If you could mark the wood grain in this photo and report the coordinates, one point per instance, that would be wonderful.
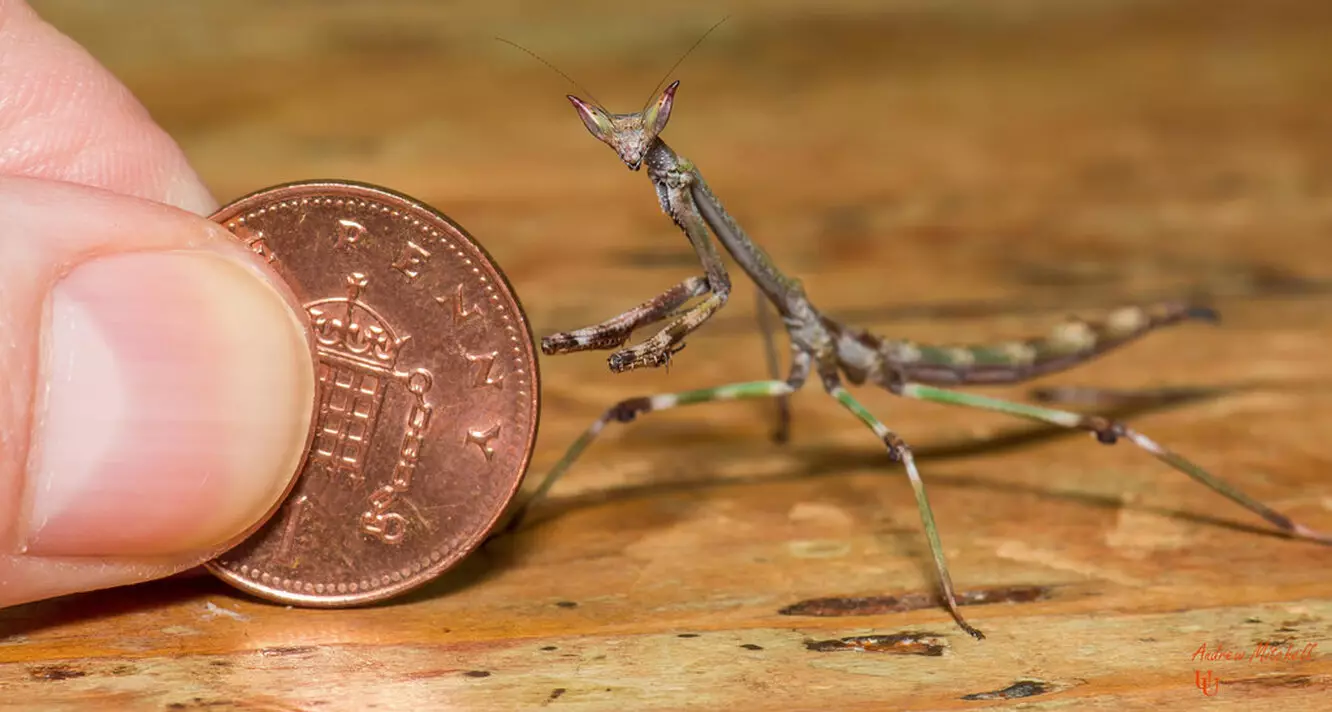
(945, 171)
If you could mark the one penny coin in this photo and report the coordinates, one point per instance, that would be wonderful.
(428, 395)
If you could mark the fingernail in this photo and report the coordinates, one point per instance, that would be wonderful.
(173, 408)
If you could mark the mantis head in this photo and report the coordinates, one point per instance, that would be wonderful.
(629, 134)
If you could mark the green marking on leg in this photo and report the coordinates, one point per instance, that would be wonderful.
(900, 450)
(1070, 419)
(845, 398)
(750, 389)
(558, 469)
(971, 400)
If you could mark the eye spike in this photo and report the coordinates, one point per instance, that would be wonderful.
(655, 118)
(594, 118)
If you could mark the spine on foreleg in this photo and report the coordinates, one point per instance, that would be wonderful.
(866, 357)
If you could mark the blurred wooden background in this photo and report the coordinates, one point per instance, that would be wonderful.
(940, 170)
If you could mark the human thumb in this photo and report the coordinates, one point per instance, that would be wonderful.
(158, 390)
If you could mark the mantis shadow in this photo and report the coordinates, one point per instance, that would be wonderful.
(502, 551)
(815, 461)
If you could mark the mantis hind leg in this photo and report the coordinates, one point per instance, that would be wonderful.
(1109, 432)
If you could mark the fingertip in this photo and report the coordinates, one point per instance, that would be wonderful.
(175, 401)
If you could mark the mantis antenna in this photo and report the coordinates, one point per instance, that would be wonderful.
(556, 69)
(653, 94)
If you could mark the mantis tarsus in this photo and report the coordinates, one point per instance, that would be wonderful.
(833, 352)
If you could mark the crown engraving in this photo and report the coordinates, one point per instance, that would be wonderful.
(349, 328)
(358, 355)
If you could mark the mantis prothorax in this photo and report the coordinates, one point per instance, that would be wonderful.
(835, 353)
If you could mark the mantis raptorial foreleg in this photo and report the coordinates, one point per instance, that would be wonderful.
(658, 349)
(613, 332)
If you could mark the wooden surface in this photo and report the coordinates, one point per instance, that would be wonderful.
(943, 171)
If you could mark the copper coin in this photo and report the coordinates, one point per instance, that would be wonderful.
(428, 395)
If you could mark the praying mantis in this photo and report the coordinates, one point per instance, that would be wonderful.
(838, 354)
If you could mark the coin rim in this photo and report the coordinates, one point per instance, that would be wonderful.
(352, 188)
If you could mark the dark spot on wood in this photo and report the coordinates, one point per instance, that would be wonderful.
(1253, 620)
(927, 644)
(877, 605)
(752, 646)
(555, 694)
(287, 650)
(428, 674)
(1292, 681)
(54, 673)
(566, 604)
(477, 673)
(549, 648)
(198, 703)
(220, 663)
(122, 670)
(687, 635)
(1021, 688)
